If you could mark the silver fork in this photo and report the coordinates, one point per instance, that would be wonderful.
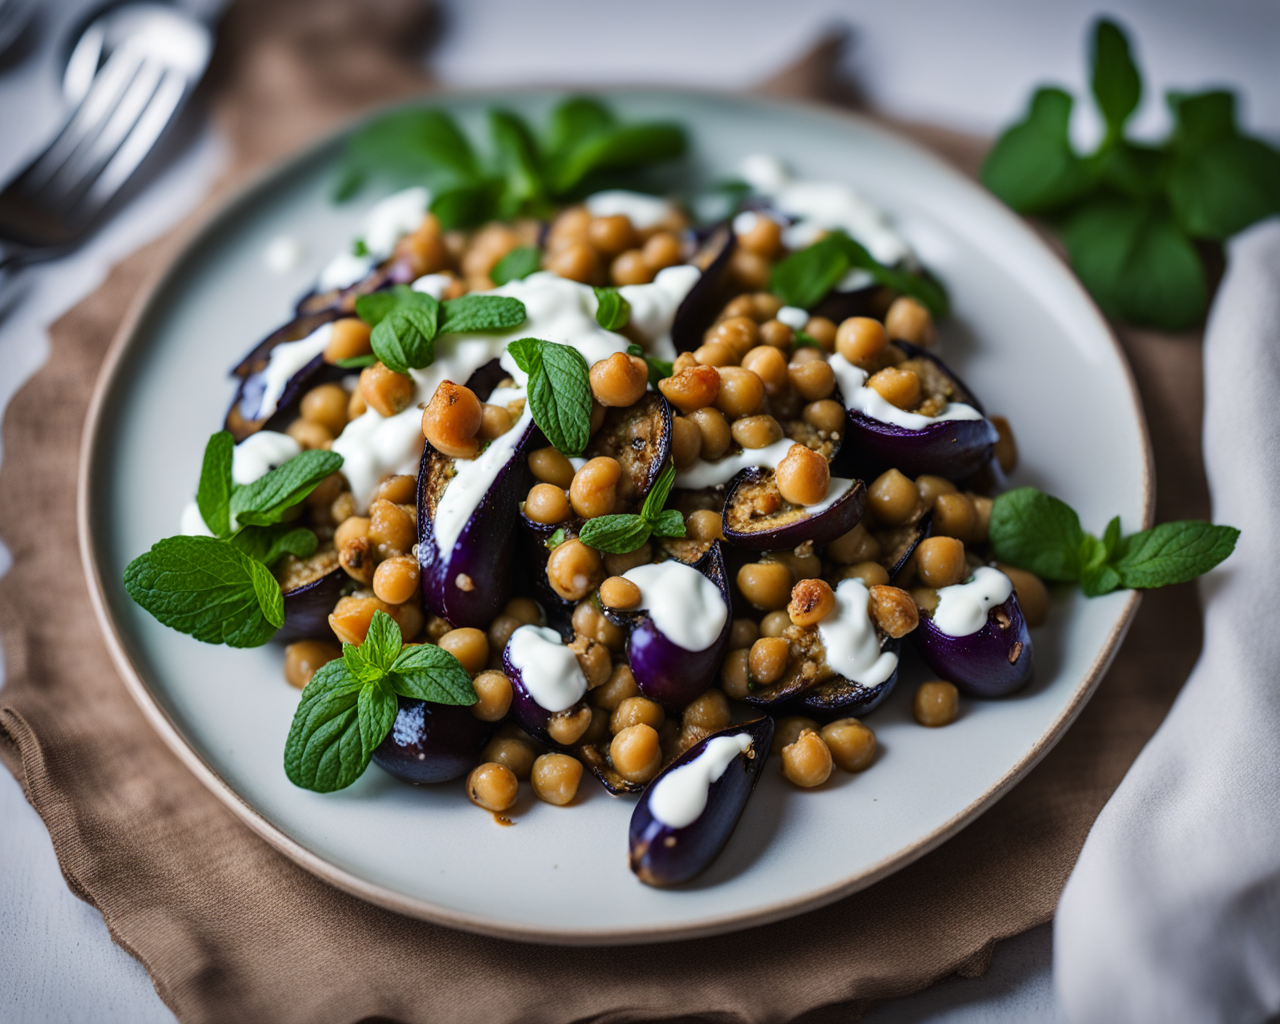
(148, 59)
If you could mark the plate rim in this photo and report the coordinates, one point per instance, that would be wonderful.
(210, 221)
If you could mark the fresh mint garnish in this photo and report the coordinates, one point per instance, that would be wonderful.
(357, 362)
(803, 339)
(519, 165)
(559, 391)
(1039, 533)
(266, 500)
(612, 311)
(659, 369)
(405, 338)
(213, 495)
(406, 323)
(624, 532)
(472, 313)
(516, 265)
(358, 248)
(408, 147)
(350, 704)
(269, 544)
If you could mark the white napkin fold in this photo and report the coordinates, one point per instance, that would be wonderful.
(1173, 911)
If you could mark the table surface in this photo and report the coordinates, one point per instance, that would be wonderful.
(921, 59)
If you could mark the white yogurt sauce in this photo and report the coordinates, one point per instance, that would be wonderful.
(386, 223)
(644, 211)
(260, 453)
(654, 305)
(287, 359)
(283, 254)
(819, 206)
(346, 268)
(714, 474)
(849, 638)
(794, 317)
(679, 797)
(870, 402)
(685, 606)
(432, 284)
(549, 669)
(963, 608)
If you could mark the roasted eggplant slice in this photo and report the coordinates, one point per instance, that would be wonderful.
(639, 438)
(311, 588)
(689, 811)
(432, 742)
(756, 516)
(702, 305)
(548, 685)
(899, 543)
(839, 697)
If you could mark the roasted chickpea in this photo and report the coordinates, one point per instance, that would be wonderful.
(803, 567)
(493, 786)
(555, 778)
(823, 331)
(813, 379)
(636, 753)
(788, 730)
(931, 487)
(399, 490)
(620, 685)
(908, 320)
(551, 467)
(452, 419)
(310, 436)
(662, 250)
(770, 366)
(348, 339)
(807, 762)
(954, 516)
(567, 727)
(574, 570)
(356, 405)
(392, 530)
(598, 413)
(1033, 595)
(327, 491)
(734, 674)
(525, 610)
(577, 262)
(757, 431)
(873, 574)
(396, 579)
(686, 442)
(892, 498)
(512, 749)
(488, 246)
(763, 238)
(803, 476)
(500, 630)
(893, 610)
(748, 269)
(493, 693)
(569, 228)
(469, 645)
(775, 623)
(715, 353)
(853, 547)
(635, 710)
(611, 235)
(740, 305)
(384, 390)
(940, 562)
(709, 712)
(768, 659)
(1006, 447)
(343, 508)
(619, 592)
(766, 585)
(598, 730)
(714, 428)
(495, 420)
(619, 380)
(982, 511)
(351, 616)
(852, 744)
(349, 529)
(861, 340)
(827, 414)
(899, 388)
(811, 602)
(326, 404)
(808, 354)
(693, 388)
(630, 267)
(594, 491)
(741, 392)
(548, 504)
(302, 659)
(936, 704)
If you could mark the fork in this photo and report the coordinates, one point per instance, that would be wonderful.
(158, 55)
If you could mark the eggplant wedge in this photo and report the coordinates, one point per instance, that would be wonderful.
(756, 516)
(702, 305)
(311, 588)
(639, 438)
(548, 686)
(431, 743)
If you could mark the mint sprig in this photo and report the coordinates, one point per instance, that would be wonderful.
(474, 313)
(213, 495)
(624, 532)
(267, 499)
(612, 310)
(1039, 533)
(350, 704)
(559, 391)
(516, 265)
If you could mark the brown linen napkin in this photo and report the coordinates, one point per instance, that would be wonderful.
(229, 929)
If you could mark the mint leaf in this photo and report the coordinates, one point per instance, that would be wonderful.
(467, 205)
(615, 534)
(382, 643)
(358, 248)
(805, 277)
(325, 750)
(473, 313)
(918, 286)
(1032, 166)
(657, 496)
(576, 119)
(359, 666)
(208, 589)
(409, 147)
(1096, 576)
(516, 265)
(1038, 533)
(1117, 86)
(559, 391)
(376, 710)
(405, 339)
(668, 523)
(266, 500)
(518, 158)
(612, 311)
(430, 673)
(269, 544)
(620, 147)
(213, 496)
(357, 362)
(374, 307)
(1172, 553)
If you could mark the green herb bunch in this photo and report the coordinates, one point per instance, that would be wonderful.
(623, 532)
(527, 174)
(1131, 215)
(220, 589)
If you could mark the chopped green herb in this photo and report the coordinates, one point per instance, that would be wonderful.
(659, 369)
(358, 248)
(518, 264)
(357, 362)
(624, 532)
(612, 310)
(559, 391)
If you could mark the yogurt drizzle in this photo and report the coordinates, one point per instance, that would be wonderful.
(849, 638)
(714, 474)
(852, 380)
(284, 361)
(962, 609)
(678, 799)
(685, 606)
(548, 669)
(387, 222)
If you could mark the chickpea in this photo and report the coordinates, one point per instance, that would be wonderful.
(776, 334)
(743, 633)
(1032, 594)
(1006, 447)
(488, 246)
(803, 567)
(392, 530)
(326, 404)
(872, 574)
(954, 516)
(740, 333)
(741, 392)
(936, 704)
(310, 436)
(574, 570)
(908, 320)
(686, 442)
(768, 659)
(662, 250)
(577, 262)
(551, 467)
(348, 339)
(327, 491)
(620, 565)
(704, 525)
(469, 645)
(861, 340)
(766, 585)
(500, 630)
(813, 379)
(930, 488)
(808, 354)
(513, 750)
(926, 599)
(399, 490)
(893, 610)
(982, 510)
(396, 579)
(775, 623)
(803, 476)
(594, 491)
(770, 366)
(734, 674)
(740, 305)
(827, 414)
(493, 787)
(495, 420)
(714, 428)
(630, 267)
(709, 712)
(569, 227)
(351, 616)
(757, 431)
(811, 602)
(611, 235)
(343, 508)
(524, 610)
(788, 730)
(555, 778)
(423, 251)
(598, 731)
(304, 658)
(854, 547)
(356, 405)
(750, 270)
(567, 727)
(452, 419)
(940, 562)
(807, 762)
(493, 692)
(764, 238)
(384, 390)
(349, 529)
(899, 388)
(620, 685)
(548, 504)
(823, 331)
(683, 362)
(852, 744)
(409, 618)
(636, 753)
(620, 380)
(619, 592)
(892, 498)
(593, 655)
(635, 710)
(764, 306)
(693, 388)
(715, 353)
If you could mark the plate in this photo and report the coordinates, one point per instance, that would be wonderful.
(1023, 334)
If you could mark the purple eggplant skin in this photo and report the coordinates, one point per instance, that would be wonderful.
(307, 608)
(665, 672)
(841, 517)
(993, 662)
(953, 449)
(840, 697)
(661, 855)
(484, 550)
(708, 296)
(534, 555)
(431, 743)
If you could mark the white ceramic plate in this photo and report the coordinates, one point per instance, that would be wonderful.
(1025, 337)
